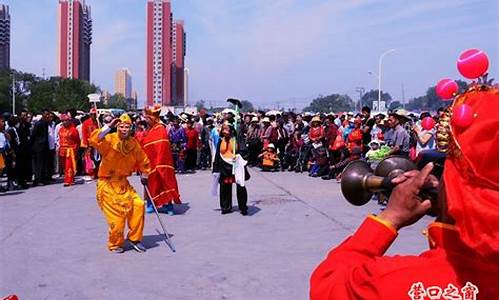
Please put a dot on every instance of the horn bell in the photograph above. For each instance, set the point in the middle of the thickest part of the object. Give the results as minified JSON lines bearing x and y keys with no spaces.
{"x":352,"y":183}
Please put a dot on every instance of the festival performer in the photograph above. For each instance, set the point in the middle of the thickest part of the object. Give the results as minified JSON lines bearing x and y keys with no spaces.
{"x":227,"y":154}
{"x":120,"y":203}
{"x":88,"y":126}
{"x":162,"y":183}
{"x":462,"y":262}
{"x":69,"y":141}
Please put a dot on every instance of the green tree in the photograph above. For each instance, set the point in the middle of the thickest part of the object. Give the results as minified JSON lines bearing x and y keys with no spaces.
{"x":200,"y":104}
{"x":395,"y":104}
{"x":331,"y":103}
{"x":23,"y":84}
{"x":431,"y":101}
{"x":246,"y":106}
{"x":369,"y":97}
{"x":117,"y":101}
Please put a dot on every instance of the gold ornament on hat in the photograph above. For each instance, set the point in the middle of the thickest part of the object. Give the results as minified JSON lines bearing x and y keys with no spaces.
{"x":125,"y":118}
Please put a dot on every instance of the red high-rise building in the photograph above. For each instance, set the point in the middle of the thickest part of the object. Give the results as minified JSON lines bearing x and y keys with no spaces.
{"x":159,"y":53}
{"x":74,"y":38}
{"x":178,"y":54}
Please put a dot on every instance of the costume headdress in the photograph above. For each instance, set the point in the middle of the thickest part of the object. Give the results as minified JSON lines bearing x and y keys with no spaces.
{"x":468,"y":133}
{"x":125,"y":118}
{"x":153,"y":111}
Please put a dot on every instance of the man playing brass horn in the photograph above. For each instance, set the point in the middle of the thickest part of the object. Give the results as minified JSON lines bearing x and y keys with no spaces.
{"x":462,"y":262}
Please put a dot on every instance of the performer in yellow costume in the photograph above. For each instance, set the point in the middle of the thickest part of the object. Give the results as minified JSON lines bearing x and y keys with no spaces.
{"x":120,"y":203}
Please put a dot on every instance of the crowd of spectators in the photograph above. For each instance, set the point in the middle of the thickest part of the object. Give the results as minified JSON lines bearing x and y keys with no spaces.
{"x":319,"y":144}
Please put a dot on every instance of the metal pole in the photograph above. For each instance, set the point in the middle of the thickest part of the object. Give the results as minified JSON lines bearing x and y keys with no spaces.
{"x":361,"y":91}
{"x":13,"y":94}
{"x":380,"y":75}
{"x":167,"y":238}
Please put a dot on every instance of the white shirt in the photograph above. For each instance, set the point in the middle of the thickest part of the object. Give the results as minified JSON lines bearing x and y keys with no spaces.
{"x":56,"y":132}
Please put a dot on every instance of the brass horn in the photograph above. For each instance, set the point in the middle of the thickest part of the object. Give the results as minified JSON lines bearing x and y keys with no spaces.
{"x":359,"y":182}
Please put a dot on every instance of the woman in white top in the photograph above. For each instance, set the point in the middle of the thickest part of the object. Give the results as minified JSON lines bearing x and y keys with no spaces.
{"x":425,"y":138}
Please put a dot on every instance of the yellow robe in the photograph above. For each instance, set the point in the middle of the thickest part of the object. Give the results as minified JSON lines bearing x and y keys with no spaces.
{"x":117,"y":199}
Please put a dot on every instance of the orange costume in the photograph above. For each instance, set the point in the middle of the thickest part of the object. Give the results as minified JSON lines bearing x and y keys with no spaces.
{"x":162,"y":183}
{"x":117,"y":199}
{"x":462,"y":262}
{"x":69,"y":141}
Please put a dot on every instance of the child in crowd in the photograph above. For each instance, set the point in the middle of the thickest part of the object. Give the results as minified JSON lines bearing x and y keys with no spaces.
{"x":270,"y":160}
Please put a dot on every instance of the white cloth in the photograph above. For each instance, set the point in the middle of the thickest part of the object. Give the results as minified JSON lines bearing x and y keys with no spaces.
{"x":4,"y":143}
{"x":239,"y":170}
{"x":215,"y":184}
{"x":52,"y":135}
{"x":56,"y":131}
{"x":104,"y":130}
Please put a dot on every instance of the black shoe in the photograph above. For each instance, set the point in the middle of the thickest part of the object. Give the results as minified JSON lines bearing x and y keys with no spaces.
{"x":138,"y":246}
{"x":117,"y":250}
{"x":225,"y":212}
{"x":244,"y":212}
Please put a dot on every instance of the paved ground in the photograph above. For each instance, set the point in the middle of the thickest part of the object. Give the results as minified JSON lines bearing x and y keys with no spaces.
{"x":52,"y":243}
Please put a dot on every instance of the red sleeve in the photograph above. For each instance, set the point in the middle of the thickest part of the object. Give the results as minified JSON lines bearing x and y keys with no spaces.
{"x":342,"y":274}
{"x":76,"y":137}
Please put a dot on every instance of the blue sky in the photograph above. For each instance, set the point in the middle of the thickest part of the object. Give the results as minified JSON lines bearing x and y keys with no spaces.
{"x":282,"y":52}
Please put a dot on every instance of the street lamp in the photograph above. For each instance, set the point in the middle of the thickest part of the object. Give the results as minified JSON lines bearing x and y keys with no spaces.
{"x":380,"y":74}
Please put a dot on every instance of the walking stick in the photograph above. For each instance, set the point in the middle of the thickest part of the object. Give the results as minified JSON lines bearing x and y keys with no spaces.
{"x":167,"y":238}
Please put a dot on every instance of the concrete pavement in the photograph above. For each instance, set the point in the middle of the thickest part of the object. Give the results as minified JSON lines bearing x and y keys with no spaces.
{"x":53,"y":242}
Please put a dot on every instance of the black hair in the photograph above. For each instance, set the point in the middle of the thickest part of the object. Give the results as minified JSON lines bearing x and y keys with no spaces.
{"x":367,"y":109}
{"x":72,"y":112}
{"x":13,"y":120}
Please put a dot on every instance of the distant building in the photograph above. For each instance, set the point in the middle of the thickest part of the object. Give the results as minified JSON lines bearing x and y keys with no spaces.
{"x":106,"y":96}
{"x":123,"y":83}
{"x":178,"y":54}
{"x":159,"y":52}
{"x":74,"y":39}
{"x":186,"y":86}
{"x":4,"y":37}
{"x":132,"y":101}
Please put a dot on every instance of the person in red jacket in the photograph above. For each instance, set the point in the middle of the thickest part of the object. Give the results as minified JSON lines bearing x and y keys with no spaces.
{"x":355,"y":137}
{"x":162,"y":183}
{"x":192,"y":137}
{"x":88,"y":126}
{"x":69,"y":141}
{"x":462,"y":262}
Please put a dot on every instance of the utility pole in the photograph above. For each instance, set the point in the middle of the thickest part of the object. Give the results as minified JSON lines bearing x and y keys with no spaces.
{"x":13,"y":94}
{"x":403,"y":94}
{"x":361,"y":91}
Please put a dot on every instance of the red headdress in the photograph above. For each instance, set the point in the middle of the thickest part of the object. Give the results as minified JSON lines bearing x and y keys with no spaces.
{"x":471,"y":169}
{"x":153,"y":112}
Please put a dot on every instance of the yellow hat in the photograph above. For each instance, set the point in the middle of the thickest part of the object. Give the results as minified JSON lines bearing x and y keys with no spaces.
{"x":316,"y":119}
{"x":124,"y":118}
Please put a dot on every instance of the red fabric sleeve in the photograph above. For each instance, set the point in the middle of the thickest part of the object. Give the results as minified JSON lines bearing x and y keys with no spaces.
{"x":342,"y":275}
